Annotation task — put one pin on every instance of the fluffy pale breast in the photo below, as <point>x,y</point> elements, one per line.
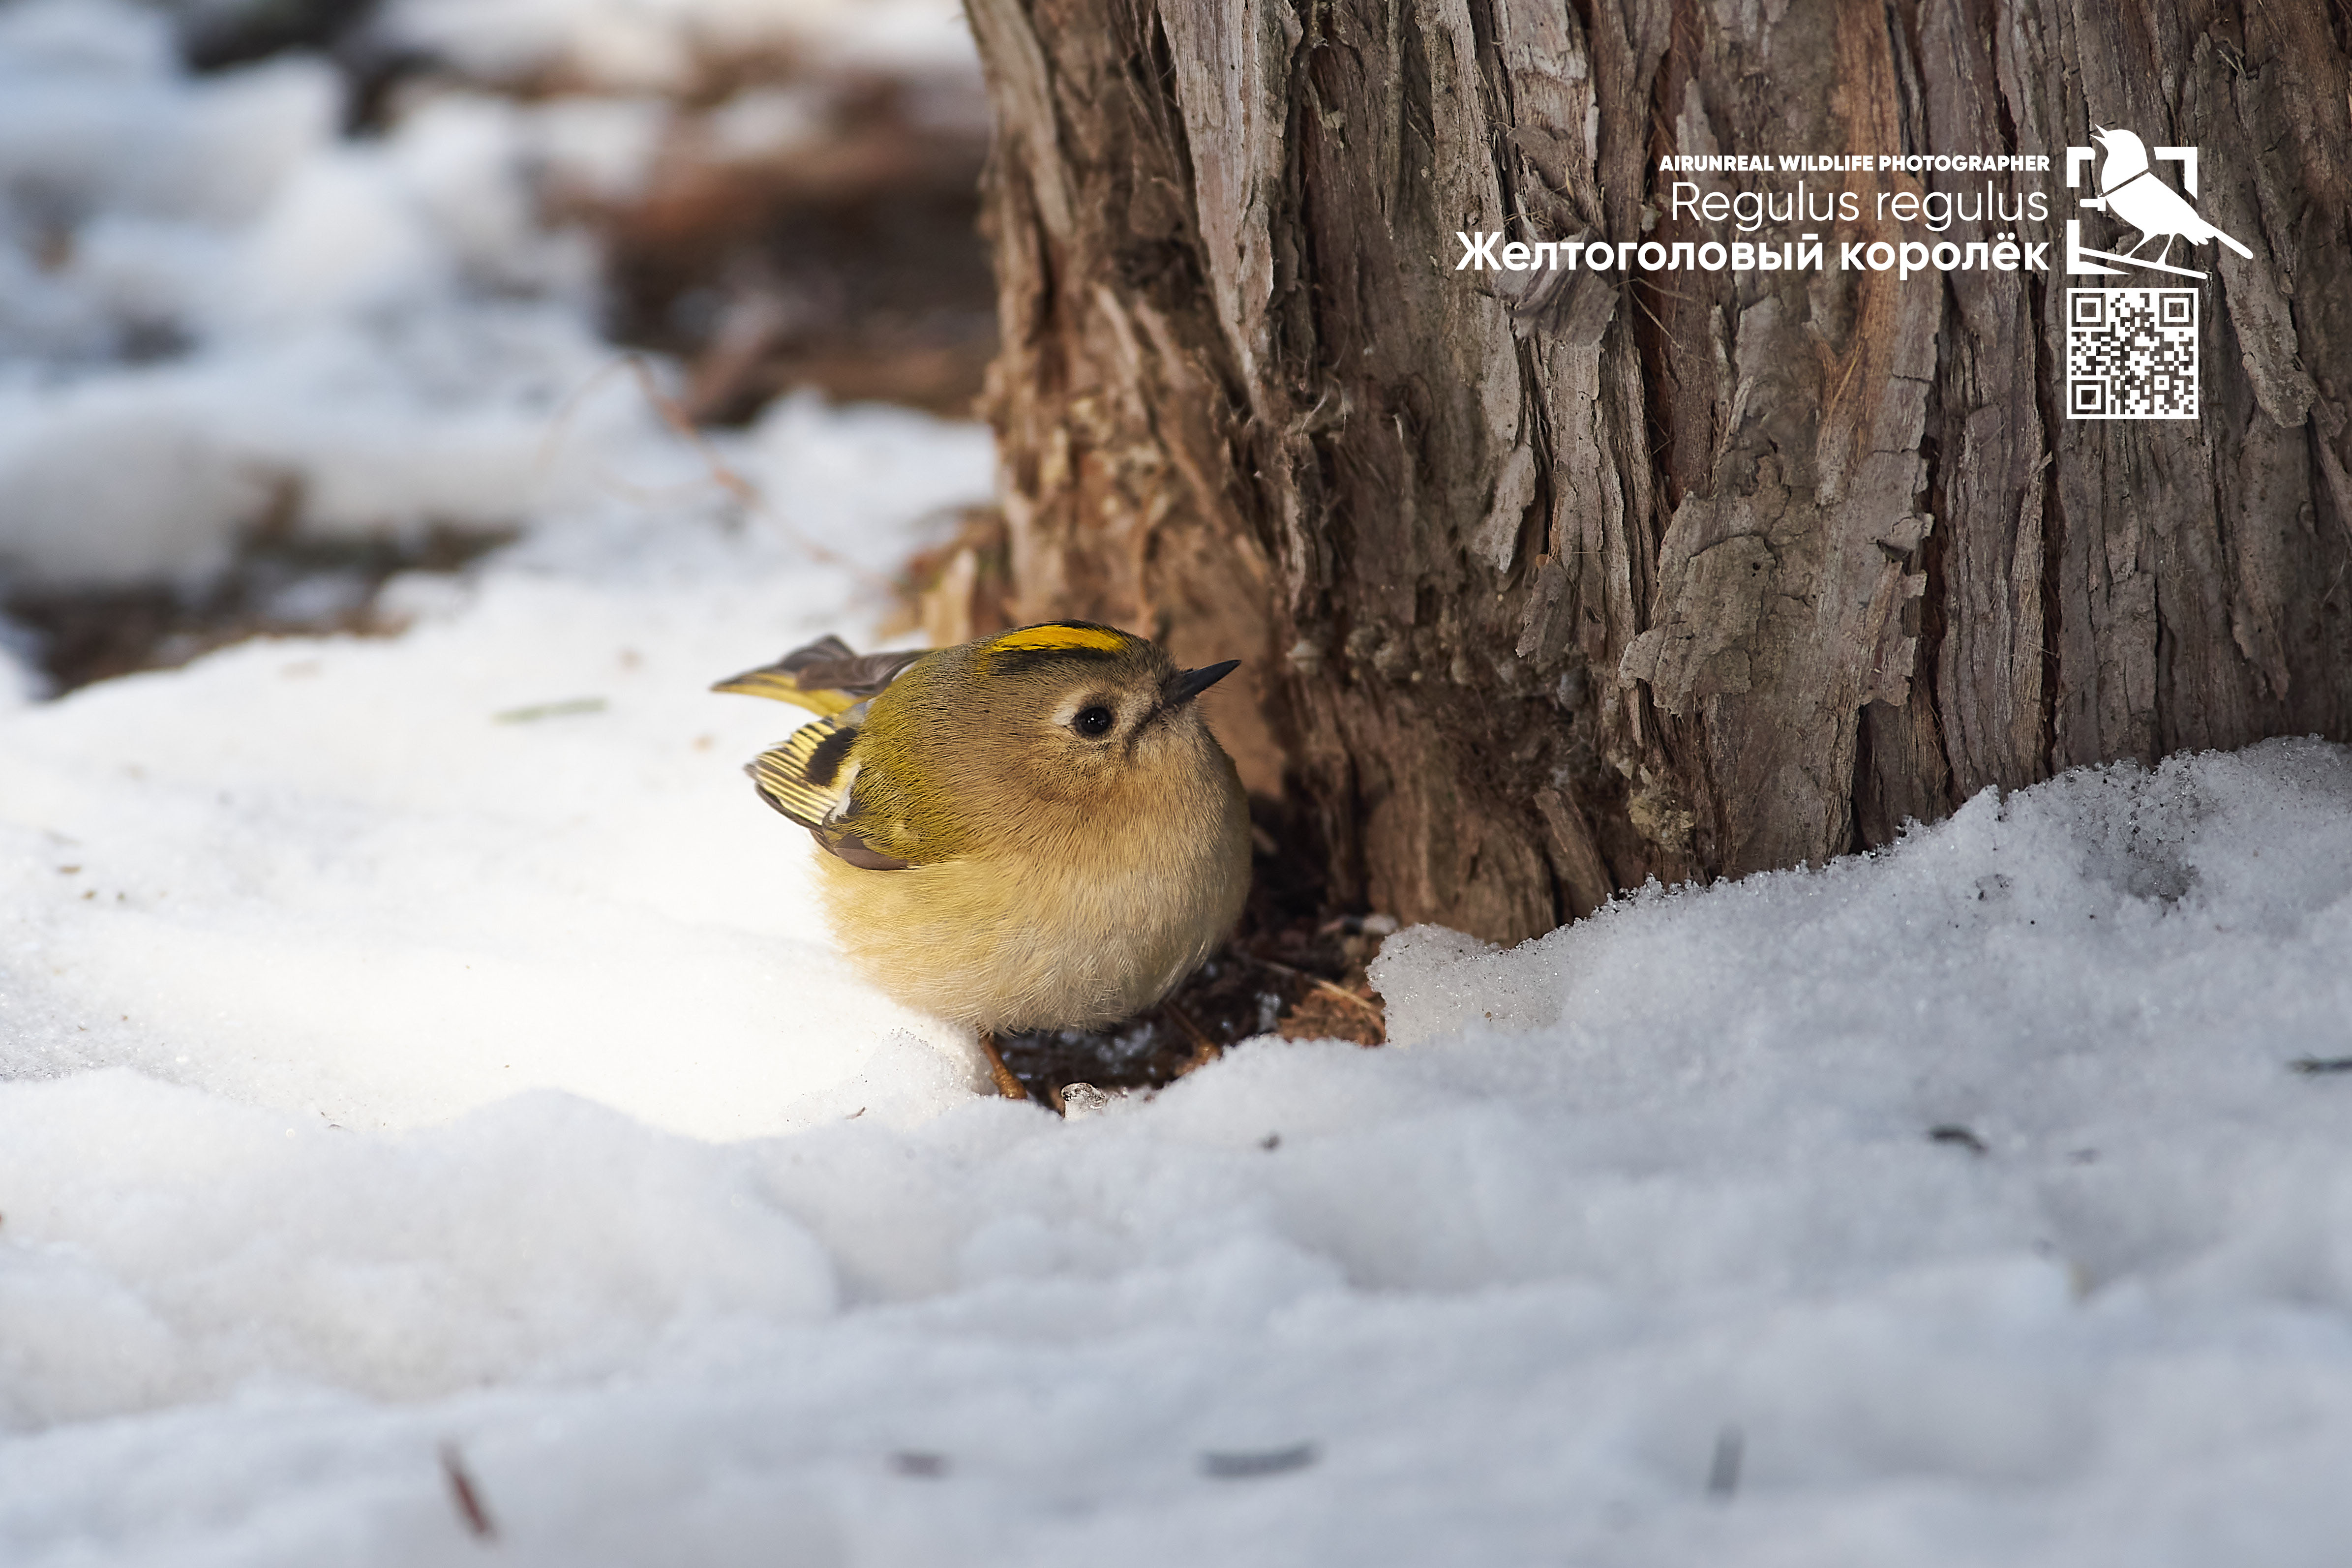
<point>1054,935</point>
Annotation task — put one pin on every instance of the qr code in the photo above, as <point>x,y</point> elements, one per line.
<point>2131,353</point>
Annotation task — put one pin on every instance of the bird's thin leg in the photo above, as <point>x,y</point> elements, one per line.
<point>2162,255</point>
<point>1006,1084</point>
<point>2137,244</point>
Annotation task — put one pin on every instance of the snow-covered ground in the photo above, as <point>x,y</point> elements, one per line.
<point>423,1052</point>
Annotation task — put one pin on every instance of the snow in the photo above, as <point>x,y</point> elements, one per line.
<point>661,44</point>
<point>424,1051</point>
<point>211,303</point>
<point>1515,1281</point>
<point>489,833</point>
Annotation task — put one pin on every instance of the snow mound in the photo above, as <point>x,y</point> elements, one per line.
<point>300,1252</point>
<point>1960,1202</point>
<point>2074,893</point>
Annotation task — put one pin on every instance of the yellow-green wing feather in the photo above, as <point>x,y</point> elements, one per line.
<point>811,778</point>
<point>861,776</point>
<point>805,777</point>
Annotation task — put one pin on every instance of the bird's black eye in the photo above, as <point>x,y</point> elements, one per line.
<point>1092,722</point>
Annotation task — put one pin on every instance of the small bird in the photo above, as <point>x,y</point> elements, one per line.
<point>2130,191</point>
<point>1031,830</point>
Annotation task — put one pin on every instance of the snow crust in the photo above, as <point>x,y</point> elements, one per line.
<point>380,882</point>
<point>425,1051</point>
<point>1516,1281</point>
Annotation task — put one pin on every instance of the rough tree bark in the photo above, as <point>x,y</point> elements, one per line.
<point>1552,582</point>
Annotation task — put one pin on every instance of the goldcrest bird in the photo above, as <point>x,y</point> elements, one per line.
<point>1031,830</point>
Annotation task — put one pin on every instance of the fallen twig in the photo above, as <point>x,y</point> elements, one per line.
<point>1231,1466</point>
<point>1723,1469</point>
<point>465,1496</point>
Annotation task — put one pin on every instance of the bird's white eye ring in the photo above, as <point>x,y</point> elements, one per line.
<point>1093,720</point>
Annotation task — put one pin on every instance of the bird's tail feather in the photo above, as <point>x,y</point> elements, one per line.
<point>825,677</point>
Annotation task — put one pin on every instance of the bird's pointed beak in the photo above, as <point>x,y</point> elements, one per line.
<point>1191,683</point>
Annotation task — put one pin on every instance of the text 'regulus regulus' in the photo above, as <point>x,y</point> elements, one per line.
<point>1031,830</point>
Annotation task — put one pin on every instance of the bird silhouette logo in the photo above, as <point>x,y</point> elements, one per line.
<point>2131,191</point>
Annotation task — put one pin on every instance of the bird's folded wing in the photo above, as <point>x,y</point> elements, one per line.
<point>825,676</point>
<point>802,777</point>
<point>809,778</point>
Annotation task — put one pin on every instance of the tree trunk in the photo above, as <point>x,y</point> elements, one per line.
<point>1550,583</point>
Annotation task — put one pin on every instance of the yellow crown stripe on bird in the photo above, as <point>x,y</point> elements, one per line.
<point>1063,637</point>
